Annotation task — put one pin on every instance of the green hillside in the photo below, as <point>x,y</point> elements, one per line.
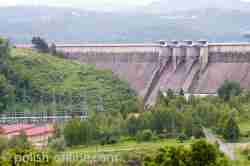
<point>41,82</point>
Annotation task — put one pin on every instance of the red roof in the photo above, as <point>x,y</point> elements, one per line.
<point>39,131</point>
<point>9,129</point>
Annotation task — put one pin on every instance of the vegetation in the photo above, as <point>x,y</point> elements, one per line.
<point>40,44</point>
<point>19,141</point>
<point>19,152</point>
<point>200,154</point>
<point>26,157</point>
<point>40,82</point>
<point>231,131</point>
<point>3,144</point>
<point>57,144</point>
<point>229,89</point>
<point>172,117</point>
<point>78,133</point>
<point>31,81</point>
<point>145,135</point>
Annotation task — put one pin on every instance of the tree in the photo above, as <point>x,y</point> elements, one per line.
<point>4,56</point>
<point>203,153</point>
<point>6,92</point>
<point>78,132</point>
<point>170,93</point>
<point>231,131</point>
<point>197,131</point>
<point>134,124</point>
<point>4,49</point>
<point>40,44</point>
<point>53,49</point>
<point>182,93</point>
<point>72,132</point>
<point>170,156</point>
<point>57,144</point>
<point>229,89</point>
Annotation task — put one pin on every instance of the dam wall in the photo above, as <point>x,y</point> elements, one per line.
<point>226,61</point>
<point>196,67</point>
<point>229,53</point>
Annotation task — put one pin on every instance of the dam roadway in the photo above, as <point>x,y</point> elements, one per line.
<point>197,67</point>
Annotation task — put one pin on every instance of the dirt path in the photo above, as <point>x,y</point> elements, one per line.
<point>223,147</point>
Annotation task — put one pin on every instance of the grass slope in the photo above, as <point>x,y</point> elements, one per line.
<point>46,78</point>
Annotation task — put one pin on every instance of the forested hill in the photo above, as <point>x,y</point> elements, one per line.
<point>20,24</point>
<point>39,82</point>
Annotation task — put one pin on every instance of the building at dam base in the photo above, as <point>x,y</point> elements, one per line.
<point>196,67</point>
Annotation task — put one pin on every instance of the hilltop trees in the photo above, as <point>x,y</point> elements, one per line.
<point>4,48</point>
<point>40,44</point>
<point>43,47</point>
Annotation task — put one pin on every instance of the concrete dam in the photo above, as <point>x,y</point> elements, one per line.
<point>196,67</point>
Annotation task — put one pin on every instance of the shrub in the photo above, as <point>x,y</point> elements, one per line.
<point>167,135</point>
<point>145,135</point>
<point>182,137</point>
<point>20,141</point>
<point>245,150</point>
<point>108,138</point>
<point>57,144</point>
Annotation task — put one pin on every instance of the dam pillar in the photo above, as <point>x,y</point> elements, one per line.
<point>174,58</point>
<point>192,53</point>
<point>165,53</point>
<point>179,53</point>
<point>203,59</point>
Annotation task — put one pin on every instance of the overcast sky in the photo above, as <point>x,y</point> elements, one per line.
<point>76,3</point>
<point>85,4</point>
